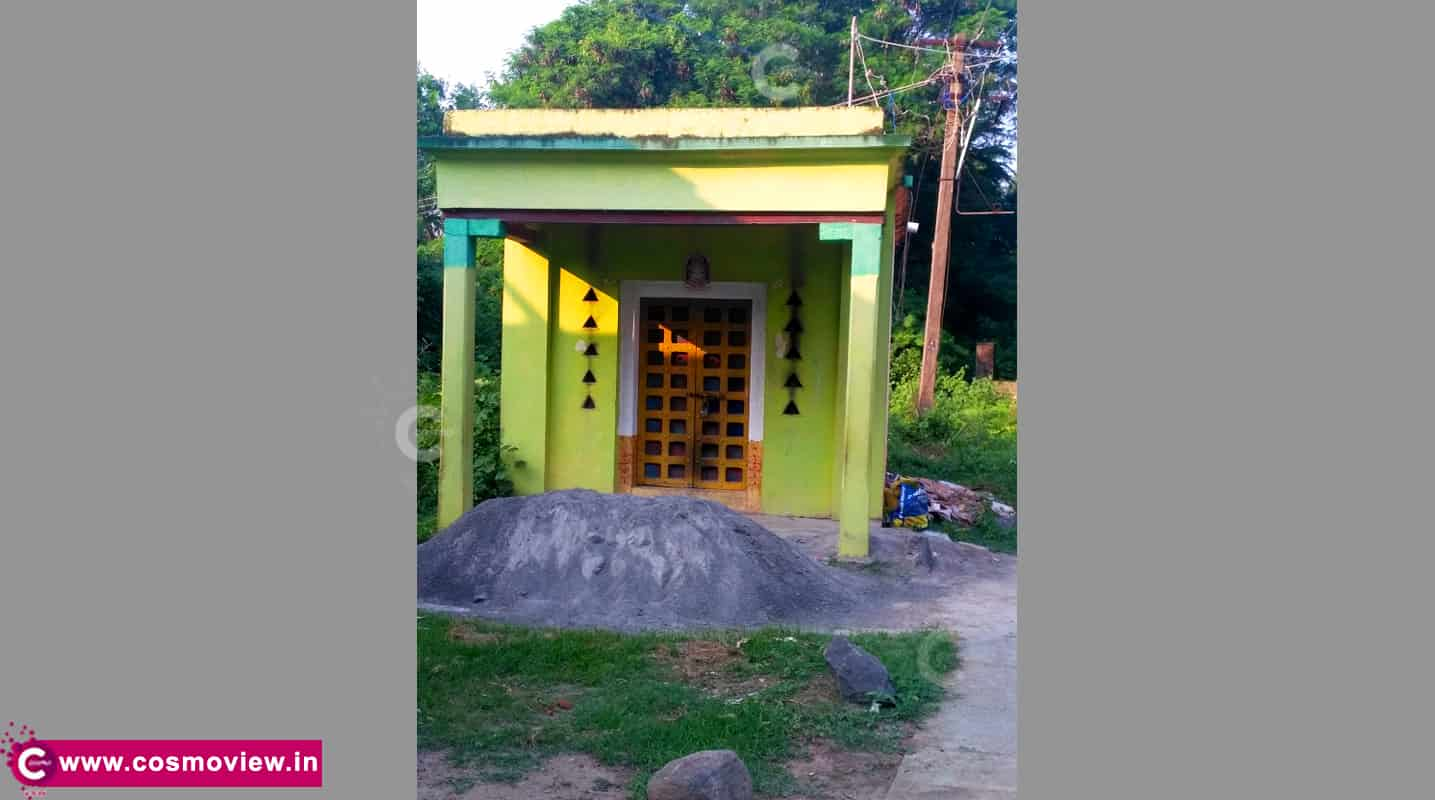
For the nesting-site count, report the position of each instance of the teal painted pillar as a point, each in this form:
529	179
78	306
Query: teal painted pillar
864	315
455	465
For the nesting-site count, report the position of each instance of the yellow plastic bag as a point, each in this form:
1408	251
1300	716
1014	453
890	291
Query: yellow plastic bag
905	504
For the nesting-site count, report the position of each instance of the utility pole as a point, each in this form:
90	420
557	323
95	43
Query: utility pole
941	235
942	232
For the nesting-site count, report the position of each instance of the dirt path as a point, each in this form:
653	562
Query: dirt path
564	777
968	749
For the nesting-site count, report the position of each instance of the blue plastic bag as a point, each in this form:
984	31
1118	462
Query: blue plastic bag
906	504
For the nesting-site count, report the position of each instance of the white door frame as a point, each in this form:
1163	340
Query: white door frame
630	296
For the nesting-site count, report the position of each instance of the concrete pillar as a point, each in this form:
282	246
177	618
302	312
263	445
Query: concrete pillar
864	316
881	380
455	467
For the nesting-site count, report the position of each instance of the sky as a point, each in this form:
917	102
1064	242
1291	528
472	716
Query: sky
463	40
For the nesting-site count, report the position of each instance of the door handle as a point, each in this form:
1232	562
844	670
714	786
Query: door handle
711	404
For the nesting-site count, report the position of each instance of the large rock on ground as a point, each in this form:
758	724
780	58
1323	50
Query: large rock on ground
860	676
580	558
707	775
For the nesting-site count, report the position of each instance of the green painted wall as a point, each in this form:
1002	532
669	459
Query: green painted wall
799	452
775	180
839	401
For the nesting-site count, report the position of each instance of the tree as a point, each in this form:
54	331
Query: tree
652	53
435	96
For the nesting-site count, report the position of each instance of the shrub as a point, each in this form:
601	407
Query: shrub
490	475
907	340
968	437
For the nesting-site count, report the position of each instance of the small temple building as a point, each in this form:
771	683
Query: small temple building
695	301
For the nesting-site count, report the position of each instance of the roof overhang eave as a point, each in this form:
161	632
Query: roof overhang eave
664	144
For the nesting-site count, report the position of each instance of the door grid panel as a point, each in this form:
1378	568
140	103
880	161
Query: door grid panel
694	368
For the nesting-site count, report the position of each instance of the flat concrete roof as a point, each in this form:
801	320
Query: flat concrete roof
671	123
663	144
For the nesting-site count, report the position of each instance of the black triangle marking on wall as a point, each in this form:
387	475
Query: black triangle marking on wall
791	409
792	382
795	326
792	354
588	402
591	323
793	299
588	377
591	296
592	349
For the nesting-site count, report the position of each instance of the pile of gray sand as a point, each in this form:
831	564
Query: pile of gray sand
577	558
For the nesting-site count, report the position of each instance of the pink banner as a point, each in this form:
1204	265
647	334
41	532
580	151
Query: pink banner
164	763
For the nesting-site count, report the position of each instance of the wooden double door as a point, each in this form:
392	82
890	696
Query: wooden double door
693	393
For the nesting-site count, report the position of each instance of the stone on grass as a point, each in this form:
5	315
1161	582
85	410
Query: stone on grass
860	676
1005	514
706	775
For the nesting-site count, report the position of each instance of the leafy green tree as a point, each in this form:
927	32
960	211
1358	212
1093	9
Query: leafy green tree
435	96
490	475
488	327
651	53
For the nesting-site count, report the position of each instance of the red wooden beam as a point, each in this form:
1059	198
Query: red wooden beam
513	216
522	233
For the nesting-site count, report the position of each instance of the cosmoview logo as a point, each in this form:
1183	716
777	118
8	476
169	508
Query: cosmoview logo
31	761
35	763
777	53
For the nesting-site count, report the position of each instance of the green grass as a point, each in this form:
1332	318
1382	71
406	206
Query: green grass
488	697
867	567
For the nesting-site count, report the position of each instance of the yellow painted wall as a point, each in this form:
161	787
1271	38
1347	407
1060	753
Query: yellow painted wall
527	280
